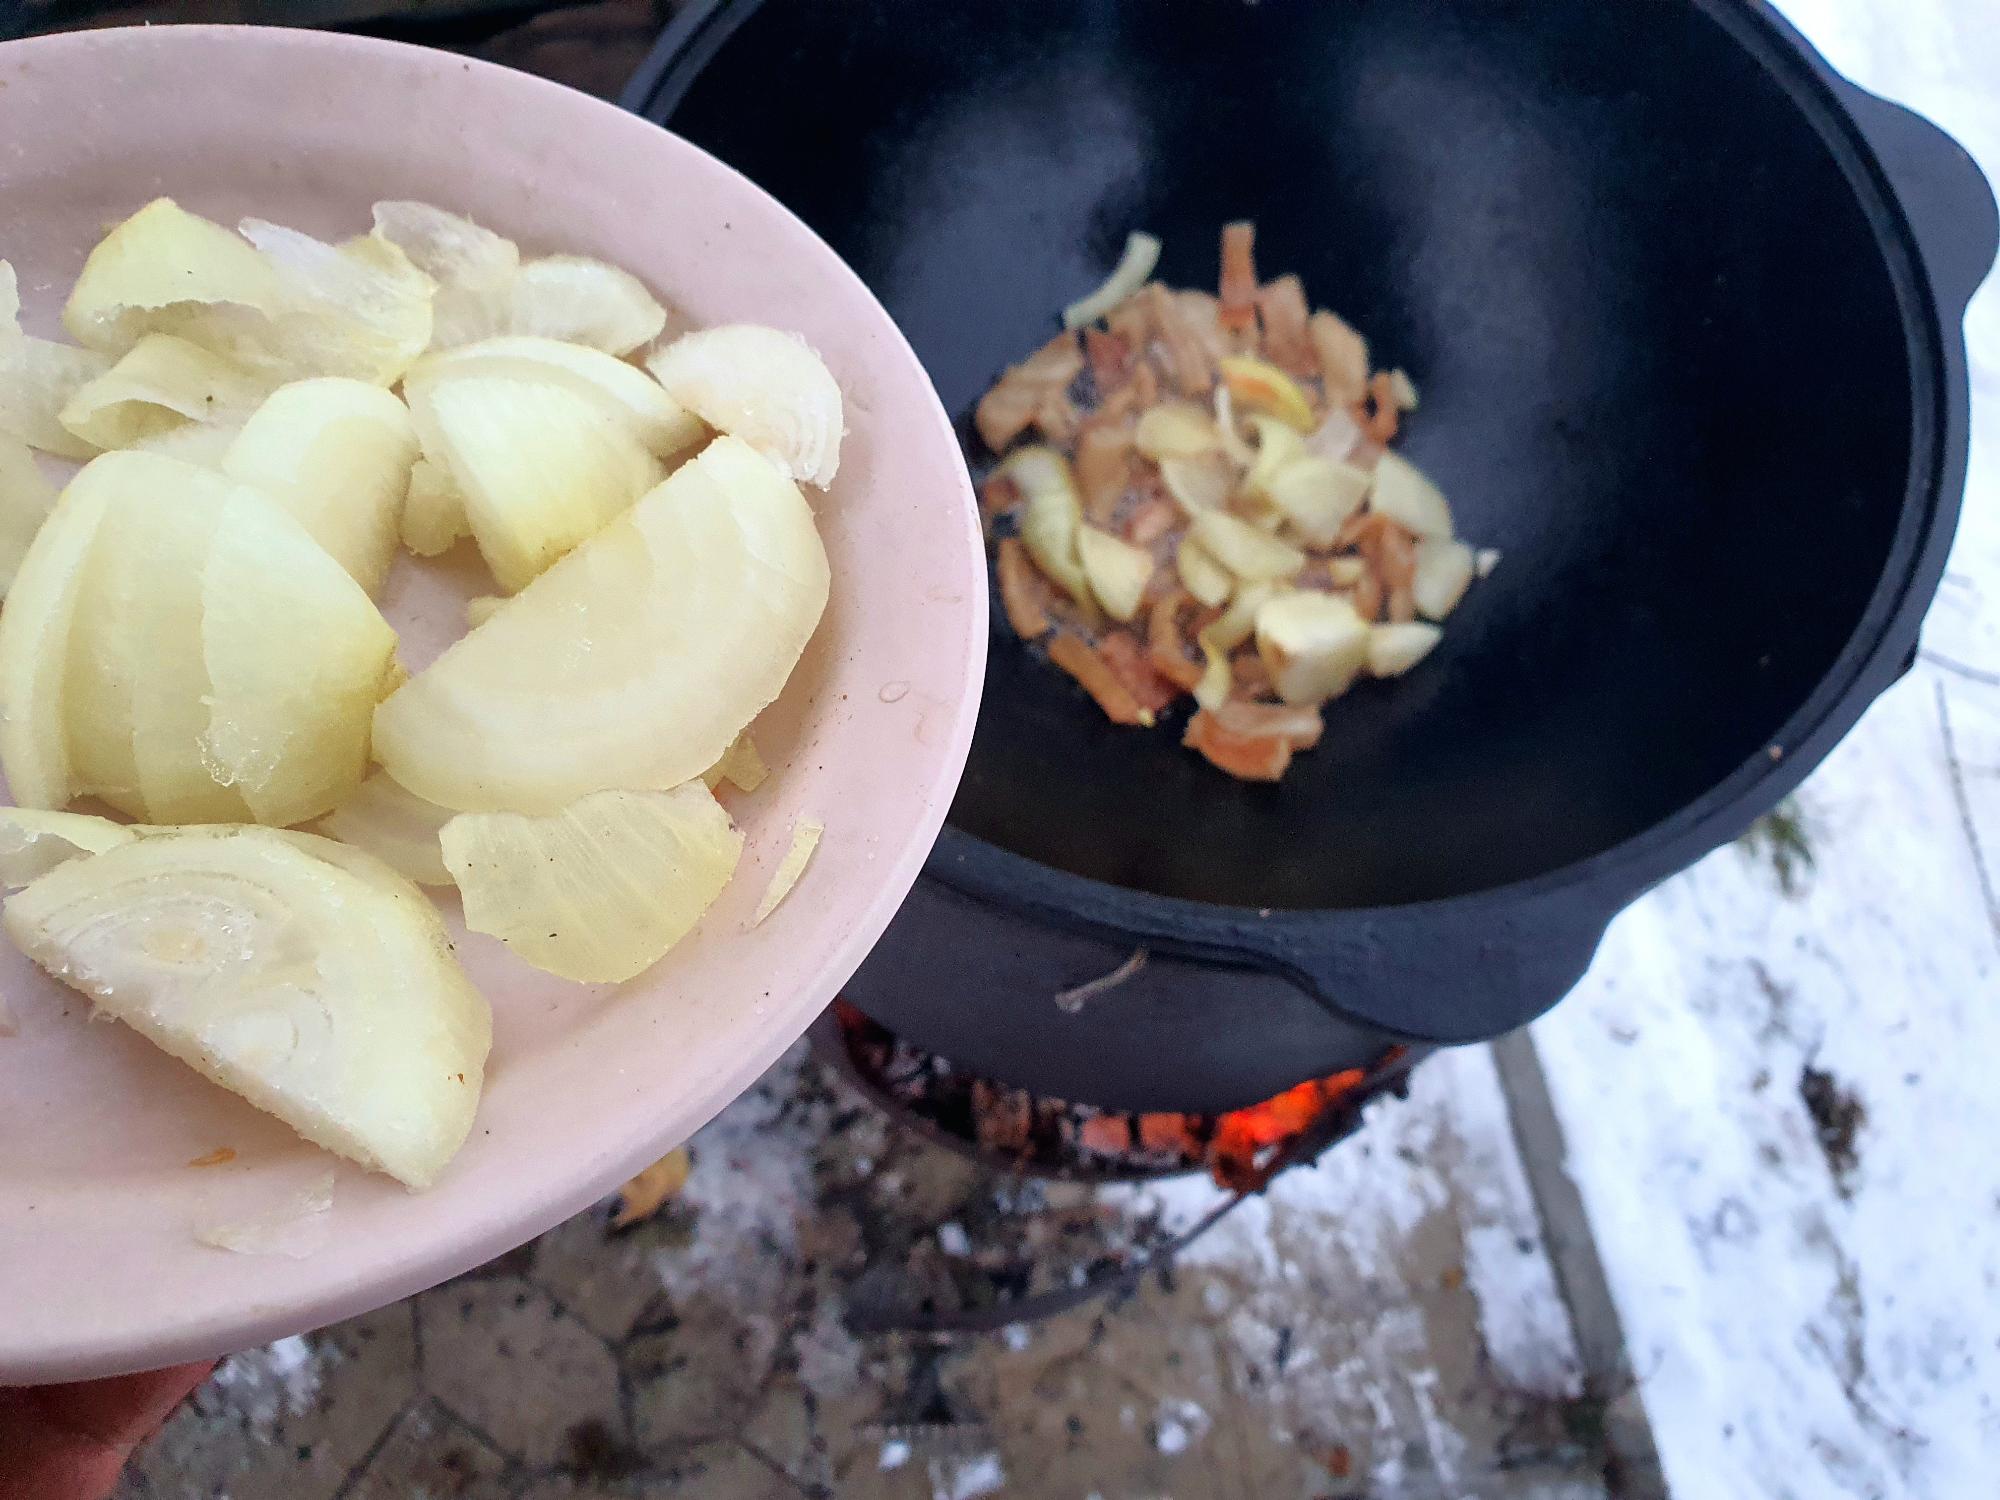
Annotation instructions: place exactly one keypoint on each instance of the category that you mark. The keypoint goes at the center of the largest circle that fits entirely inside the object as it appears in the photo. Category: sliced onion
(37, 379)
(474, 268)
(295, 1228)
(1198, 484)
(433, 511)
(161, 383)
(634, 661)
(1313, 644)
(600, 890)
(326, 998)
(805, 839)
(335, 455)
(26, 498)
(1175, 429)
(742, 766)
(34, 841)
(1407, 497)
(1394, 649)
(766, 386)
(1444, 570)
(1257, 385)
(395, 825)
(163, 270)
(1201, 575)
(1249, 553)
(1051, 515)
(1117, 570)
(1135, 266)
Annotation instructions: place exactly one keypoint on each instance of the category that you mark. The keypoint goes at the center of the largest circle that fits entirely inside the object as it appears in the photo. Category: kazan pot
(1685, 309)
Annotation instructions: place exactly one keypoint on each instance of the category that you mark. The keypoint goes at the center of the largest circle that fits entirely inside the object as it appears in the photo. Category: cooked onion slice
(762, 385)
(336, 455)
(396, 826)
(480, 608)
(226, 667)
(366, 316)
(805, 839)
(1051, 515)
(541, 466)
(1257, 385)
(627, 392)
(1175, 429)
(474, 268)
(1407, 497)
(162, 270)
(160, 384)
(34, 841)
(1206, 579)
(26, 498)
(1444, 569)
(294, 1228)
(325, 998)
(583, 301)
(1250, 554)
(1142, 253)
(1394, 649)
(1313, 645)
(35, 630)
(1316, 496)
(634, 661)
(600, 890)
(433, 511)
(37, 379)
(1118, 571)
(741, 766)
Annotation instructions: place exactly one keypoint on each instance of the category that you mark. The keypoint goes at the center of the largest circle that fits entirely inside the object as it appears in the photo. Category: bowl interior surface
(98, 1205)
(1657, 342)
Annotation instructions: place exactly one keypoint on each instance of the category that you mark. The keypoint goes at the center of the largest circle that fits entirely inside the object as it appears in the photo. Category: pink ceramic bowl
(100, 1270)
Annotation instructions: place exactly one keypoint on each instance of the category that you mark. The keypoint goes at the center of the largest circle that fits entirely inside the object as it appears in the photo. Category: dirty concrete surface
(1384, 1325)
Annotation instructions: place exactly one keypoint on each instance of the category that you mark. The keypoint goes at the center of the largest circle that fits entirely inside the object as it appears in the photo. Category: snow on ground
(1805, 1322)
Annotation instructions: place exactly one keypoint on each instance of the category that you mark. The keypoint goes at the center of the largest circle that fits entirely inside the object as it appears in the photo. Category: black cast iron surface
(1684, 309)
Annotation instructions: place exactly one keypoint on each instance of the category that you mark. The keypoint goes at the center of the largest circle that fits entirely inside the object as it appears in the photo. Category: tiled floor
(1382, 1325)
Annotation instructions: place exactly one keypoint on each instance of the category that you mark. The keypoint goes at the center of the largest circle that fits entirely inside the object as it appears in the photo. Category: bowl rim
(152, 1334)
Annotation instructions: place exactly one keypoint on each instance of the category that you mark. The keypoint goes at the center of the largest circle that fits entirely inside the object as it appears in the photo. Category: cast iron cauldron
(1684, 307)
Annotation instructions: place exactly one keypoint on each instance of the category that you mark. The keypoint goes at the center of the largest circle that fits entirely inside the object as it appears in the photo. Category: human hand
(70, 1442)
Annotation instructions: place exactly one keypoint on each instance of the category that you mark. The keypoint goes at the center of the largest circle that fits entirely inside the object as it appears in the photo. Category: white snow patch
(260, 1383)
(965, 1479)
(895, 1453)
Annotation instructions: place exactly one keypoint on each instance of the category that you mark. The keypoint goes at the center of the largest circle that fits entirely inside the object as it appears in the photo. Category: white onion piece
(158, 385)
(1250, 554)
(26, 498)
(1444, 570)
(1407, 497)
(634, 661)
(396, 826)
(805, 839)
(1394, 649)
(765, 386)
(1313, 644)
(167, 270)
(335, 454)
(600, 890)
(1135, 266)
(34, 841)
(1118, 571)
(325, 998)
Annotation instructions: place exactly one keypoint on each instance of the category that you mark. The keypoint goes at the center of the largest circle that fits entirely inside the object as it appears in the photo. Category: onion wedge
(631, 663)
(33, 841)
(805, 839)
(396, 826)
(765, 386)
(26, 498)
(600, 890)
(334, 454)
(325, 998)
